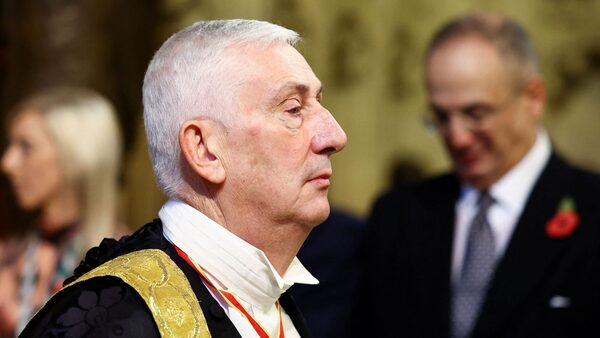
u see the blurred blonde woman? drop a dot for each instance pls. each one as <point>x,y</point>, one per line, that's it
<point>62,161</point>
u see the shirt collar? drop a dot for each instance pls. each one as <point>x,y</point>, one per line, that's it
<point>240,267</point>
<point>511,191</point>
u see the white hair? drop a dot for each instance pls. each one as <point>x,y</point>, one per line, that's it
<point>189,77</point>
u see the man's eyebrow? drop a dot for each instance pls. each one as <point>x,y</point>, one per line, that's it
<point>295,87</point>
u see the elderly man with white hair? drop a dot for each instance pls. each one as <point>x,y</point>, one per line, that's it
<point>241,145</point>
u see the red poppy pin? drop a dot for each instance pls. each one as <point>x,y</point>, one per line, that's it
<point>565,221</point>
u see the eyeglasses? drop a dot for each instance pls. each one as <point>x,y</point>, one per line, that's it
<point>473,117</point>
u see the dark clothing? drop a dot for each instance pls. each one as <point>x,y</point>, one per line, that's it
<point>543,286</point>
<point>330,253</point>
<point>107,307</point>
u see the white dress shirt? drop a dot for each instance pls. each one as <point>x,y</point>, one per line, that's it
<point>510,194</point>
<point>234,265</point>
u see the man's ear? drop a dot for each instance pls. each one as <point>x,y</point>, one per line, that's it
<point>536,93</point>
<point>199,142</point>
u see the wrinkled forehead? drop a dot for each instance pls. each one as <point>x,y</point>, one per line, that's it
<point>264,60</point>
<point>261,74</point>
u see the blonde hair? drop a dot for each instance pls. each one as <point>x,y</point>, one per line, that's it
<point>84,127</point>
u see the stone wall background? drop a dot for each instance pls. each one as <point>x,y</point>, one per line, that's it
<point>368,54</point>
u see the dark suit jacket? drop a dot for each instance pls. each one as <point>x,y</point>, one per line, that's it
<point>408,261</point>
<point>106,306</point>
<point>330,253</point>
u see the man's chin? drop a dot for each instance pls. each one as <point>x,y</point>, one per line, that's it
<point>471,176</point>
<point>318,215</point>
<point>476,181</point>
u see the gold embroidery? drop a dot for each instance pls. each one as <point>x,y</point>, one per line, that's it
<point>164,288</point>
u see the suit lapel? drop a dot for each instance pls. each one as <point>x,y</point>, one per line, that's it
<point>292,310</point>
<point>448,211</point>
<point>435,232</point>
<point>530,253</point>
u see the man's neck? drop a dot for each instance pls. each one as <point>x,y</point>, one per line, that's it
<point>279,242</point>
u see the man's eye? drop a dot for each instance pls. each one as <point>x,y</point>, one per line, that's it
<point>292,106</point>
<point>295,110</point>
<point>478,113</point>
<point>440,116</point>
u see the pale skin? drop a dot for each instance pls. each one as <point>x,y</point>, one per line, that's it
<point>266,177</point>
<point>467,73</point>
<point>32,166</point>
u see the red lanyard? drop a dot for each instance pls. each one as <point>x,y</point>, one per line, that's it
<point>232,301</point>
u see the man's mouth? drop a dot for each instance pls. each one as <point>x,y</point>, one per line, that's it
<point>465,158</point>
<point>322,178</point>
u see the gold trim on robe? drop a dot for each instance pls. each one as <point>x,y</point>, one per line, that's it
<point>164,288</point>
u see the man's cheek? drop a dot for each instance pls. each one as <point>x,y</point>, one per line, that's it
<point>292,122</point>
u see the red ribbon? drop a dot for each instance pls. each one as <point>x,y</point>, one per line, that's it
<point>230,298</point>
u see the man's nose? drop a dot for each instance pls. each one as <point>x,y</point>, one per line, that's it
<point>330,137</point>
<point>457,134</point>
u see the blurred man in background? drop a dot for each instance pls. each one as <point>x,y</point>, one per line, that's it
<point>508,244</point>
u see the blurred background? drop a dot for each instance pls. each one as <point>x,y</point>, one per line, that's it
<point>368,55</point>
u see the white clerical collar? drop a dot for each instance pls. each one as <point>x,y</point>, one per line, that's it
<point>240,267</point>
<point>513,189</point>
